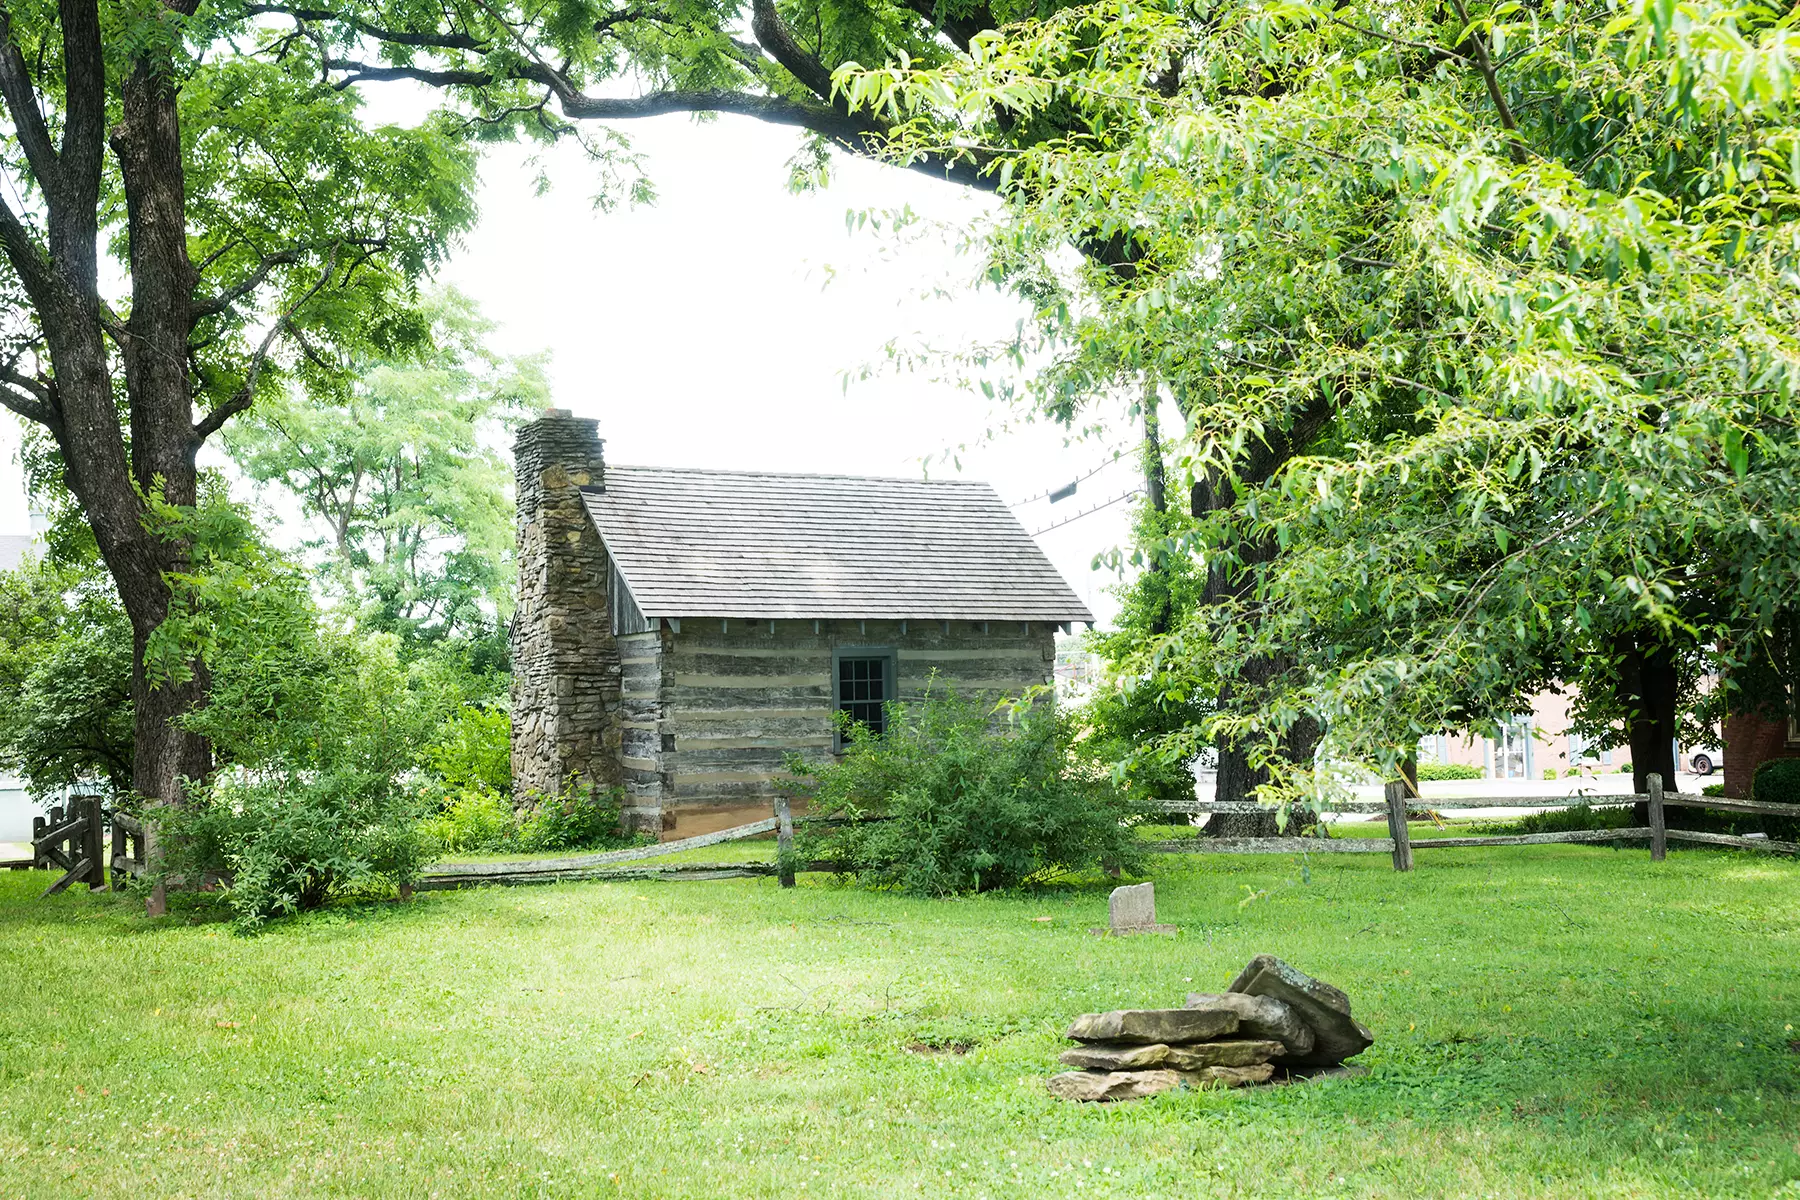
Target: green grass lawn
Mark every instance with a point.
(1550, 1021)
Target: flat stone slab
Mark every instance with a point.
(1143, 1026)
(1260, 1017)
(1124, 1056)
(1096, 1086)
(1336, 1034)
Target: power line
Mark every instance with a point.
(1117, 458)
(1090, 512)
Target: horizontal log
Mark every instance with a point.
(582, 861)
(128, 823)
(129, 865)
(1680, 800)
(1769, 845)
(1533, 839)
(61, 833)
(1274, 845)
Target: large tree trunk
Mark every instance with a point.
(1236, 780)
(1649, 684)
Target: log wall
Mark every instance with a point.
(712, 709)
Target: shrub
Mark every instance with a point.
(473, 746)
(472, 819)
(1549, 772)
(1623, 768)
(575, 819)
(1447, 771)
(964, 805)
(1778, 782)
(282, 843)
(1713, 789)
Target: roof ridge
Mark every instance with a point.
(744, 472)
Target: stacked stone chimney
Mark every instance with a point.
(565, 690)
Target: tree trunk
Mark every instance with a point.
(1649, 683)
(1156, 491)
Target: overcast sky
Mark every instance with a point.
(717, 327)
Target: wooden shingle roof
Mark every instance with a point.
(754, 544)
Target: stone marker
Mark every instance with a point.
(1122, 1056)
(1260, 1017)
(1171, 1026)
(1336, 1035)
(1132, 909)
(1135, 1085)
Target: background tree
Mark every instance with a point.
(65, 666)
(1523, 280)
(262, 233)
(402, 472)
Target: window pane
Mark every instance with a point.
(862, 689)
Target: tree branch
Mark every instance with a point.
(217, 304)
(400, 37)
(1486, 66)
(28, 118)
(215, 419)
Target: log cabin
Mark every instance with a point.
(680, 631)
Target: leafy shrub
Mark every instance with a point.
(472, 819)
(1448, 771)
(576, 819)
(282, 843)
(964, 805)
(1623, 768)
(1713, 789)
(1549, 772)
(473, 746)
(1778, 782)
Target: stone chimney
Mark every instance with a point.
(565, 690)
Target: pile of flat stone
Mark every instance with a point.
(1273, 1023)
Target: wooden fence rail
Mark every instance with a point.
(74, 840)
(1399, 841)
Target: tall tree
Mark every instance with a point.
(1518, 284)
(262, 233)
(402, 476)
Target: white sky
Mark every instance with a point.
(716, 328)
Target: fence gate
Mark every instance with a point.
(72, 839)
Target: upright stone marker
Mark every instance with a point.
(1132, 909)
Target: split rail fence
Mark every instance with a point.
(636, 862)
(74, 839)
(1400, 845)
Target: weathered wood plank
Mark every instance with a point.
(580, 861)
(1770, 845)
(1397, 830)
(1578, 836)
(1275, 845)
(1659, 830)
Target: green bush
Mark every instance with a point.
(964, 805)
(282, 843)
(1549, 772)
(1778, 782)
(473, 819)
(473, 746)
(577, 819)
(1448, 771)
(1623, 768)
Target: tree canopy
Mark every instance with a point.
(1519, 281)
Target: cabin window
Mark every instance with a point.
(864, 683)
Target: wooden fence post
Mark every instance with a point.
(784, 840)
(1659, 830)
(93, 845)
(1396, 802)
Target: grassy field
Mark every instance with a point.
(1550, 1021)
